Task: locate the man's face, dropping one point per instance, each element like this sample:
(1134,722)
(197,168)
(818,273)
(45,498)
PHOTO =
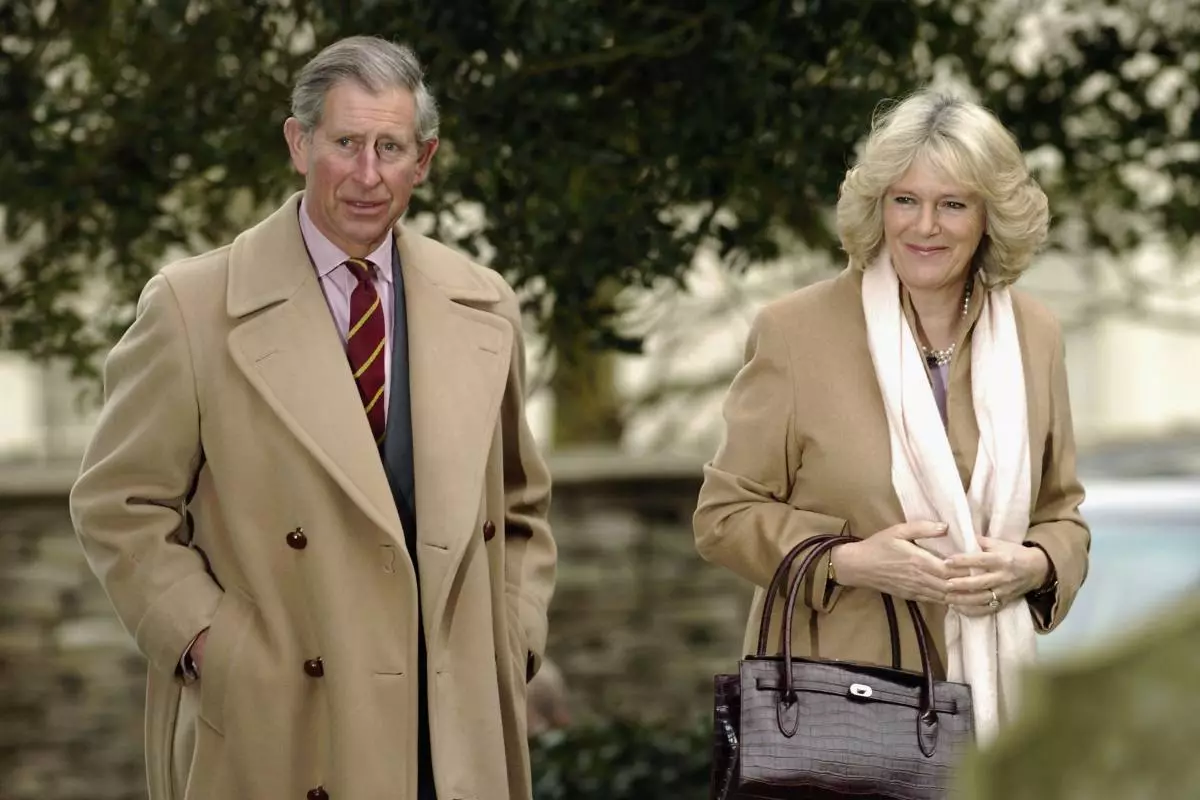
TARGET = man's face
(360,164)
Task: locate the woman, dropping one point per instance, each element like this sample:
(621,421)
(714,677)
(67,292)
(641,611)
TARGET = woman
(920,404)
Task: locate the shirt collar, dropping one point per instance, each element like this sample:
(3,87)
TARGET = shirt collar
(327,256)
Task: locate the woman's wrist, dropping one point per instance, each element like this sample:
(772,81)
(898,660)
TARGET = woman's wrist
(839,570)
(1038,568)
(1046,577)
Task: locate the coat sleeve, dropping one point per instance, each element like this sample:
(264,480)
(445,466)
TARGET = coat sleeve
(743,520)
(1056,524)
(530,551)
(127,504)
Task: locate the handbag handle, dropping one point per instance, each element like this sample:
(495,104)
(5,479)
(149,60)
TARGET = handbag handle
(927,721)
(777,582)
(780,577)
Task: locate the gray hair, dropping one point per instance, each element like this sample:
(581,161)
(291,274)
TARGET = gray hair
(373,63)
(968,144)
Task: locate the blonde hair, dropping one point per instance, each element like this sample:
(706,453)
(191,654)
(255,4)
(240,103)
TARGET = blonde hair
(970,146)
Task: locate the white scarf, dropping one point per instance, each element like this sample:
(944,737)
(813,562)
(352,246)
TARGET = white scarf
(985,652)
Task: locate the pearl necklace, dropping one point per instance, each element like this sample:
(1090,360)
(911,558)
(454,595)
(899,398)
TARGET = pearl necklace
(940,358)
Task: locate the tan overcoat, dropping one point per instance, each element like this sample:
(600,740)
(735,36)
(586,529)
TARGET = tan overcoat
(232,483)
(806,451)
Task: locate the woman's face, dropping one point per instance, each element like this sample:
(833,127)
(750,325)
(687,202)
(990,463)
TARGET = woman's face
(931,228)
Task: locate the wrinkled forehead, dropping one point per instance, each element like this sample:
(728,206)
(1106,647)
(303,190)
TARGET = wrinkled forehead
(350,107)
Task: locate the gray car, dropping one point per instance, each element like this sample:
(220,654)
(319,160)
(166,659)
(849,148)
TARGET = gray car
(1145,554)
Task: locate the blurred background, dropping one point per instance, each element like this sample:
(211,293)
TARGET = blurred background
(647,174)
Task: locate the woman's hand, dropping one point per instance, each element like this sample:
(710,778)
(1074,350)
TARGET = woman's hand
(891,563)
(1009,569)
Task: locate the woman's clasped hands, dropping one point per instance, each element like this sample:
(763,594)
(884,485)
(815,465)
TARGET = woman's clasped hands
(973,584)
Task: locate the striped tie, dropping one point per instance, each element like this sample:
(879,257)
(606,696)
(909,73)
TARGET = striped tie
(365,344)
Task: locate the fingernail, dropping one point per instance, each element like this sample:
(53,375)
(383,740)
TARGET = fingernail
(941,526)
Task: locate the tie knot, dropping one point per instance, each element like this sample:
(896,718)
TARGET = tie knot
(361,268)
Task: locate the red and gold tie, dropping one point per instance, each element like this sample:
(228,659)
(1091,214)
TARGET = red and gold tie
(365,344)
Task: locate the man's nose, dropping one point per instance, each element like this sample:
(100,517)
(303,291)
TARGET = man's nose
(367,167)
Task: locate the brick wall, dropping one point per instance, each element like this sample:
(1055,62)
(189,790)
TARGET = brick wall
(639,623)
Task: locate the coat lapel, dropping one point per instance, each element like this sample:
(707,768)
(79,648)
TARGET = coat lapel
(289,350)
(458,365)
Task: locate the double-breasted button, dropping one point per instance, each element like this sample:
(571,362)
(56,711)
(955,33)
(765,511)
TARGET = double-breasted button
(314,668)
(297,540)
(489,530)
(317,794)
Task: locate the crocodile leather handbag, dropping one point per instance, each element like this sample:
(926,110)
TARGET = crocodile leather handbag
(788,727)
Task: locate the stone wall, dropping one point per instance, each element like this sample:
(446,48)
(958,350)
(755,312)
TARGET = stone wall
(70,681)
(639,623)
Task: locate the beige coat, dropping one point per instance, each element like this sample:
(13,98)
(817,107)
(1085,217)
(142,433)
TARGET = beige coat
(806,451)
(232,422)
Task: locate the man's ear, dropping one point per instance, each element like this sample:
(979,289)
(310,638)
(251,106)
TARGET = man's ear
(425,159)
(298,142)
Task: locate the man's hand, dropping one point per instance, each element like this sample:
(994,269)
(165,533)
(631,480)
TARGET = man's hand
(196,651)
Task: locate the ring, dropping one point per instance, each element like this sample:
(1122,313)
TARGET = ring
(994,603)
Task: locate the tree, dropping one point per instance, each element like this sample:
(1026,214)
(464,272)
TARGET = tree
(598,144)
(589,145)
(1111,88)
(1104,97)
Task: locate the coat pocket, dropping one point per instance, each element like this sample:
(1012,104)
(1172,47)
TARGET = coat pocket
(225,637)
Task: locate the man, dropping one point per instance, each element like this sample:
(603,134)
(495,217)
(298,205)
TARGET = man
(312,494)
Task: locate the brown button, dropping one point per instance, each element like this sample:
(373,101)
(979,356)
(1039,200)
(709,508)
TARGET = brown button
(297,540)
(314,667)
(317,794)
(489,530)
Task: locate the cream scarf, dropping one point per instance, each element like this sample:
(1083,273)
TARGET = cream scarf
(985,652)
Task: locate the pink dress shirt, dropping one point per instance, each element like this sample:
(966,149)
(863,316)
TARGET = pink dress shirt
(337,282)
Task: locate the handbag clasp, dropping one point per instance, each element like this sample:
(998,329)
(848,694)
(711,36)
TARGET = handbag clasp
(860,690)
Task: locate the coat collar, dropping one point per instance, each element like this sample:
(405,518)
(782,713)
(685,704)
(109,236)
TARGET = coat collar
(268,264)
(286,346)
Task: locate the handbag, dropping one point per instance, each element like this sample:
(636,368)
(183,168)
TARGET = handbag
(795,728)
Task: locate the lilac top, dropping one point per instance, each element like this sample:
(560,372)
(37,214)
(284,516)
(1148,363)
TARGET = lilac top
(337,282)
(939,377)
